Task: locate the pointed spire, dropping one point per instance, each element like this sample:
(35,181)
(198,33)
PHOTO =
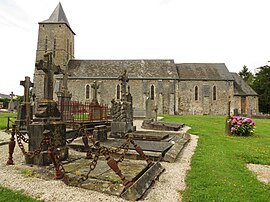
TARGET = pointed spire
(58,16)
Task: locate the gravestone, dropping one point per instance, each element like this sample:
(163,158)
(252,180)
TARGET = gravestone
(11,103)
(95,108)
(122,112)
(95,87)
(149,110)
(47,118)
(100,133)
(25,113)
(64,99)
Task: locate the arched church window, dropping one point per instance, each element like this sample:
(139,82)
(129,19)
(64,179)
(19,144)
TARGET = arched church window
(214,93)
(118,92)
(152,92)
(70,49)
(67,49)
(46,44)
(87,92)
(196,93)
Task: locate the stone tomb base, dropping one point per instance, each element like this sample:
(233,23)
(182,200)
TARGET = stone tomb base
(36,130)
(103,179)
(161,146)
(119,129)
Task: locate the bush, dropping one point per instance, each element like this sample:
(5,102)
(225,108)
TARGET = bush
(242,126)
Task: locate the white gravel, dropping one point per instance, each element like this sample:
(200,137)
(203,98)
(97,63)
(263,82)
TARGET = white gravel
(165,189)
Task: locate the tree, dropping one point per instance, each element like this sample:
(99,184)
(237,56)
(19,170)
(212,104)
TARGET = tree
(261,85)
(246,75)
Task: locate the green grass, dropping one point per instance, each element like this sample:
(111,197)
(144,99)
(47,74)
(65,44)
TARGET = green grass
(4,119)
(218,169)
(7,195)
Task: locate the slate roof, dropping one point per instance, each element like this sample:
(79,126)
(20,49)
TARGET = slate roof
(158,69)
(241,87)
(203,71)
(58,16)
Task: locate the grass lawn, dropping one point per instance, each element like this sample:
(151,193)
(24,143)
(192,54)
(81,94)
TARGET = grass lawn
(7,195)
(4,119)
(218,169)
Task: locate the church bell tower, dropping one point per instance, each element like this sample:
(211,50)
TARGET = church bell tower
(54,36)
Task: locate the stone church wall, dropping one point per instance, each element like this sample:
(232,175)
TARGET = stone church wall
(164,96)
(250,106)
(205,104)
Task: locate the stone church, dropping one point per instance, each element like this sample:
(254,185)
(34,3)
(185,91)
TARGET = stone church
(185,88)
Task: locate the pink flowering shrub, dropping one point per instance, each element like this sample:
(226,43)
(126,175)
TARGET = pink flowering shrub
(242,126)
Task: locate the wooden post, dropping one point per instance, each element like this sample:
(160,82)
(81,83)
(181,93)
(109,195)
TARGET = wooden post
(228,124)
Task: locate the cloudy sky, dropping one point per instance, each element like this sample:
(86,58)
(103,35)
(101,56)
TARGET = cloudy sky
(234,32)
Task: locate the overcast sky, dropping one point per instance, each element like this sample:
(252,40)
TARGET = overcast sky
(234,32)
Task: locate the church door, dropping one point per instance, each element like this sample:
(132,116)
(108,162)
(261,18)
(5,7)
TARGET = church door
(243,105)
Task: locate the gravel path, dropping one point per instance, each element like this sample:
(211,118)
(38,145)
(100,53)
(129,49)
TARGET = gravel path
(165,189)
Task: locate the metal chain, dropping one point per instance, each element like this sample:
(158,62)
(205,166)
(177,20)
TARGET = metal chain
(22,136)
(30,154)
(92,166)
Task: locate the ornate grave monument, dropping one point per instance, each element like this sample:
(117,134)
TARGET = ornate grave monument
(47,119)
(95,108)
(122,112)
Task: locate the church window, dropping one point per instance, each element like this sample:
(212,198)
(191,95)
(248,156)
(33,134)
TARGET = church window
(196,93)
(152,92)
(87,92)
(214,93)
(118,92)
(70,49)
(54,47)
(67,49)
(46,44)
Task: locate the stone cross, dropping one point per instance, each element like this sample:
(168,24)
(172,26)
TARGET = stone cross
(124,79)
(11,105)
(49,68)
(12,95)
(27,84)
(95,86)
(64,87)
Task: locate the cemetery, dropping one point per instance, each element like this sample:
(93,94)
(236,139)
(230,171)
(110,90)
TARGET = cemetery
(89,145)
(130,130)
